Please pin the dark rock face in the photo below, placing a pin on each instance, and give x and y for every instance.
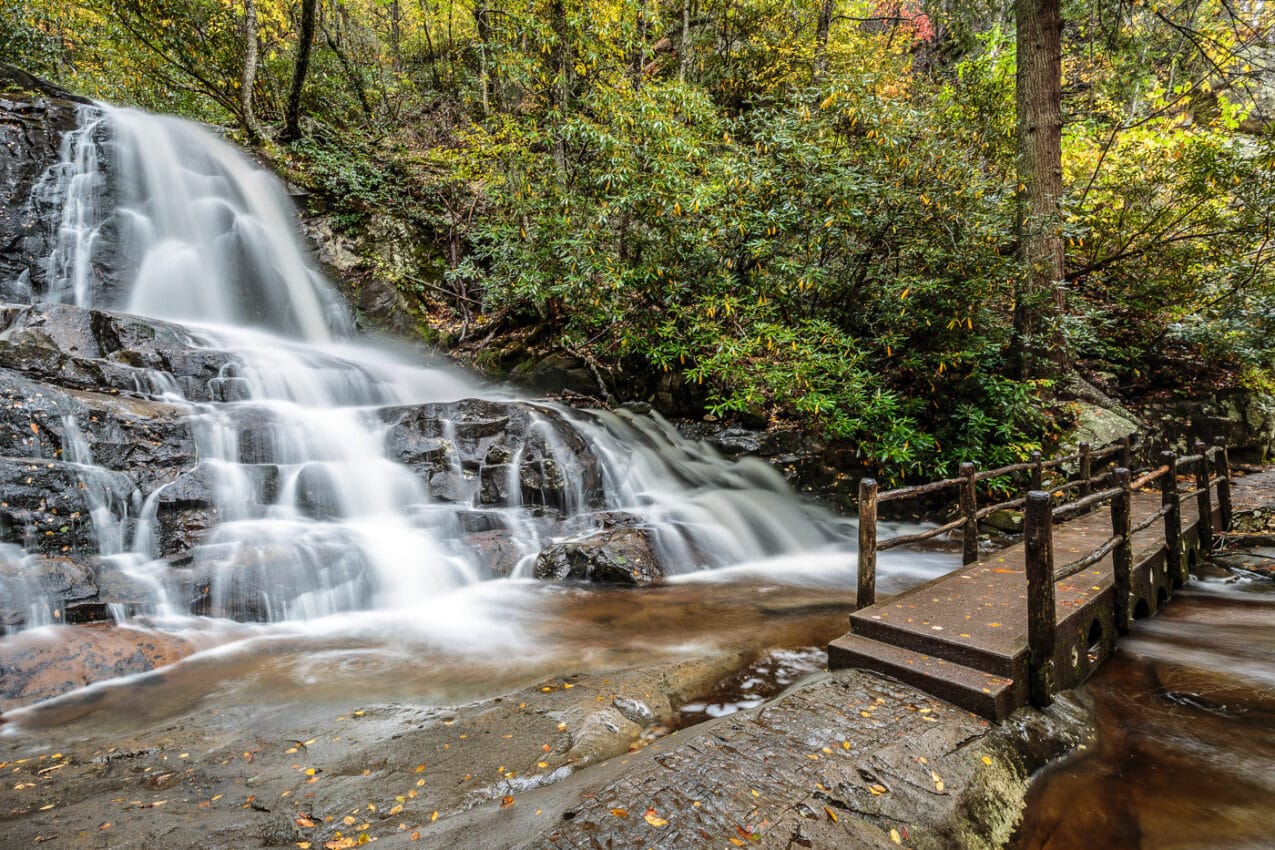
(469, 449)
(35, 118)
(92, 441)
(30, 143)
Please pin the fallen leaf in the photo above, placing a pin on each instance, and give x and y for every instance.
(620, 813)
(654, 819)
(506, 802)
(832, 816)
(895, 837)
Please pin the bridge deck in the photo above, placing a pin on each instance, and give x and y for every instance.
(963, 636)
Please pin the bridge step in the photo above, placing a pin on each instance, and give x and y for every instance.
(993, 697)
(937, 626)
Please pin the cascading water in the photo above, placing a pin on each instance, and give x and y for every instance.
(261, 481)
(315, 512)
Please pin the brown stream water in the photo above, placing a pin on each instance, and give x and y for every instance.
(1185, 751)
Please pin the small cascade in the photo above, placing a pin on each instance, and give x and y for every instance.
(111, 515)
(327, 475)
(77, 189)
(24, 603)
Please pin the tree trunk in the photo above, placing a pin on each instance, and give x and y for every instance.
(1040, 298)
(249, 79)
(822, 28)
(637, 61)
(482, 20)
(684, 48)
(292, 124)
(562, 84)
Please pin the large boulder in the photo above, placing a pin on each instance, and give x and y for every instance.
(610, 556)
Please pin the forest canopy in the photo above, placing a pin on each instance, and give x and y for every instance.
(788, 211)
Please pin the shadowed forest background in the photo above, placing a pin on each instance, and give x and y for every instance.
(781, 212)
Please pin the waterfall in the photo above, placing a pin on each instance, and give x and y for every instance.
(315, 511)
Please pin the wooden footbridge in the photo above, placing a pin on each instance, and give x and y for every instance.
(1019, 624)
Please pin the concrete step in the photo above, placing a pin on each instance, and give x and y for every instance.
(990, 696)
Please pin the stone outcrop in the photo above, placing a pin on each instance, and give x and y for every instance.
(615, 556)
(100, 417)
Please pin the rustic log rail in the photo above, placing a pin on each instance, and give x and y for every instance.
(871, 497)
(1211, 472)
(1071, 624)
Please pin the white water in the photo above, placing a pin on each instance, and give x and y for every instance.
(212, 243)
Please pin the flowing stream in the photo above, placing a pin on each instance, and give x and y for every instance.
(334, 568)
(320, 531)
(1185, 750)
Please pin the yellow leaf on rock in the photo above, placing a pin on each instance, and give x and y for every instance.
(654, 819)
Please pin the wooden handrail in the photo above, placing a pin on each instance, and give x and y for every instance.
(919, 537)
(871, 497)
(1212, 472)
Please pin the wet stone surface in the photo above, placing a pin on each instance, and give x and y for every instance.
(842, 760)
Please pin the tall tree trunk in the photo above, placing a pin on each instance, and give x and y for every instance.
(684, 47)
(482, 20)
(396, 37)
(822, 27)
(1040, 299)
(305, 40)
(637, 61)
(351, 73)
(562, 83)
(248, 81)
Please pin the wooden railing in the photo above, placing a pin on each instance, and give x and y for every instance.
(1210, 467)
(1118, 454)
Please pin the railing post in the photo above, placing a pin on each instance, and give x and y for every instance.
(1204, 501)
(1126, 451)
(1222, 463)
(1122, 555)
(1174, 564)
(867, 544)
(969, 510)
(1038, 471)
(1041, 619)
(1086, 470)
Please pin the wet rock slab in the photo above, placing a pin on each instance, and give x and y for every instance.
(844, 760)
(44, 664)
